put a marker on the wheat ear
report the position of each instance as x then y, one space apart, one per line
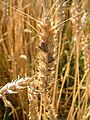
15 86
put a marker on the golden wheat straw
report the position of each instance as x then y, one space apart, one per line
79 87
76 38
21 12
64 79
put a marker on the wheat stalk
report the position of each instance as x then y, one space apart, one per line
76 39
86 54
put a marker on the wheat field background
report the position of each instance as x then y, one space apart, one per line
44 59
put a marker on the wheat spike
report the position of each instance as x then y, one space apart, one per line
14 86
